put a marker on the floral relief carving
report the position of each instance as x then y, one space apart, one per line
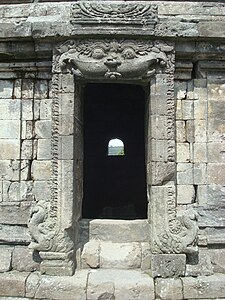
128 13
113 59
175 234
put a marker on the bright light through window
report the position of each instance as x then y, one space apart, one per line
115 147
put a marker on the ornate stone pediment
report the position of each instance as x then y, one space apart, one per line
113 59
119 13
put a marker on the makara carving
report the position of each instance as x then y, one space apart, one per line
40 227
173 234
113 59
128 13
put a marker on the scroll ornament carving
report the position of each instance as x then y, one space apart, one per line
180 235
172 233
41 228
112 59
114 13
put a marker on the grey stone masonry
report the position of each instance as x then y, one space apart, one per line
49 52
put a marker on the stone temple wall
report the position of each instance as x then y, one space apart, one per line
29 35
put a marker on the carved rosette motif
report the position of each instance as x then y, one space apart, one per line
113 59
121 13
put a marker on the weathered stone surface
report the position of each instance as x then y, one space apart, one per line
217 257
53 287
41 170
183 152
216 173
204 287
185 194
168 265
169 289
119 231
5 258
90 255
43 129
203 266
14 213
9 149
119 284
20 235
185 173
120 255
25 260
13 284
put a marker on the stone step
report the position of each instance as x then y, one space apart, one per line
117 231
94 285
108 255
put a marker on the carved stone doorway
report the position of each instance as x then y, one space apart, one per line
114 185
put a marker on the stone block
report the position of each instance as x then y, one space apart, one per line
185 173
41 89
169 289
179 110
159 150
187 109
216 173
27 149
25 260
10 169
119 285
6 89
180 131
28 89
67 83
158 127
190 131
180 89
5 259
90 255
66 104
168 265
27 109
216 91
183 152
216 125
200 152
216 152
203 266
204 287
160 172
45 109
9 129
119 231
9 149
185 194
42 188
120 255
66 126
43 129
17 191
200 173
27 130
44 149
13 284
145 256
200 131
200 109
66 147
217 257
20 235
41 170
53 287
14 214
10 109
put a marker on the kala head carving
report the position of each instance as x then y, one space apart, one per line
112 60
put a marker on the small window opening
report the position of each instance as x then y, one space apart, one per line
116 147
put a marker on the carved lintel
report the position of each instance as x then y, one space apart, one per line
112 59
118 13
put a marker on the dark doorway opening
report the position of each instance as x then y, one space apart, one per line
114 185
